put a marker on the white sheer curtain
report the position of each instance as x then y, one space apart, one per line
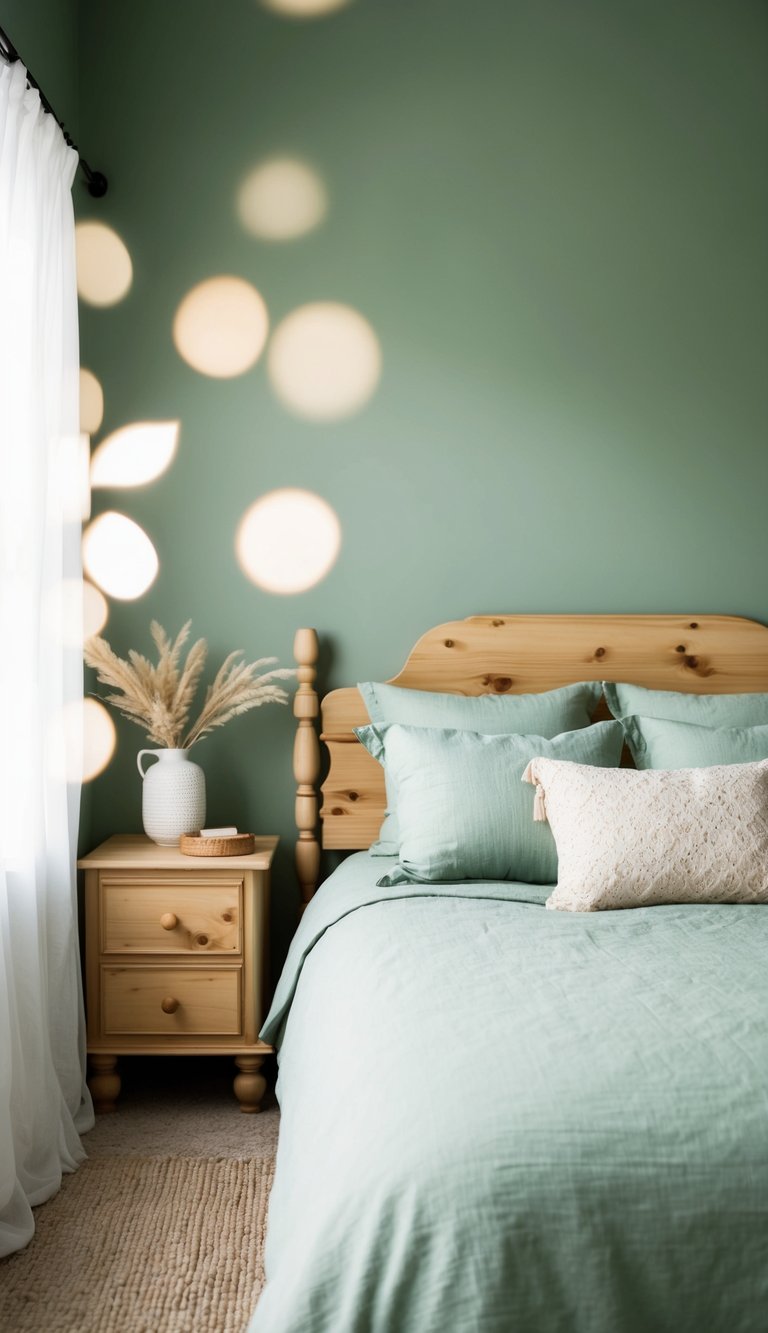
43 1098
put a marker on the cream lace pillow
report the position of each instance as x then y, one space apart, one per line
629 839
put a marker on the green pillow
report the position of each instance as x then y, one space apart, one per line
658 743
547 714
704 710
463 811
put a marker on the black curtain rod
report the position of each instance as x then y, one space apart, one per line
97 181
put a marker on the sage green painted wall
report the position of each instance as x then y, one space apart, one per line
45 33
553 214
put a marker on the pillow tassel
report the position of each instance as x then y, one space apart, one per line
539 801
539 805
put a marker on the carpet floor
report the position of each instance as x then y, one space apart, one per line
162 1229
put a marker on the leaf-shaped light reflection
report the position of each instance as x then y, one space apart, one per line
119 557
135 454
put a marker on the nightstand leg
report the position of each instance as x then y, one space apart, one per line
249 1084
104 1082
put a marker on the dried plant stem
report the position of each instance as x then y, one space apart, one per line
159 697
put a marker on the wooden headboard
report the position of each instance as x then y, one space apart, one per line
503 655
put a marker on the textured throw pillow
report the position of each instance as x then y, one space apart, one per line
463 811
631 839
658 743
702 710
548 714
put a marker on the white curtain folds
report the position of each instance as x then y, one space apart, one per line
43 1098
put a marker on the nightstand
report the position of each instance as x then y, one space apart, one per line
175 958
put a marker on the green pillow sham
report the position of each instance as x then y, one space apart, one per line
658 743
704 710
463 811
548 714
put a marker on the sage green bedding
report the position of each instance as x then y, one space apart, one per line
546 714
502 1119
657 742
463 810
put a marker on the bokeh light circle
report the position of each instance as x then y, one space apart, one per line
135 454
91 402
104 268
221 327
281 199
304 9
89 739
119 557
324 361
99 738
288 540
95 610
72 463
77 613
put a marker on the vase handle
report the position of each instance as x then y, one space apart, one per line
139 757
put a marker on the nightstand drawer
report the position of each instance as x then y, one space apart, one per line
171 1000
171 916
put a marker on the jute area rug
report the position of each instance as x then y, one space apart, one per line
143 1245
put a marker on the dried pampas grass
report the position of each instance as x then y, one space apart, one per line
159 697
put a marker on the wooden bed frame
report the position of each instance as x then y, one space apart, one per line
504 655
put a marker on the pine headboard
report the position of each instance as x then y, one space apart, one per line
502 654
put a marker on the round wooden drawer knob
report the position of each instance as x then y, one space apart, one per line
169 921
169 1005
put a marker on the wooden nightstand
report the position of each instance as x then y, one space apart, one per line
175 958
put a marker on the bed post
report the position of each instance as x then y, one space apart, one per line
306 763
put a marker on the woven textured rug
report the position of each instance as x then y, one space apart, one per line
143 1245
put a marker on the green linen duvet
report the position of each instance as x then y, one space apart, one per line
504 1119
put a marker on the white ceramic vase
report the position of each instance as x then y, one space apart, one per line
173 797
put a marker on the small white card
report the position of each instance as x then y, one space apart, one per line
228 832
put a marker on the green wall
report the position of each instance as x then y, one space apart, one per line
553 214
45 33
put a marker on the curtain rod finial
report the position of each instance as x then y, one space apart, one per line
97 184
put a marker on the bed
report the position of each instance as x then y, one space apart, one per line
496 1117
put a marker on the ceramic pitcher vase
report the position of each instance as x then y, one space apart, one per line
173 797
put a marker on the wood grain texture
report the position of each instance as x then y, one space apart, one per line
306 763
510 654
135 851
165 1000
175 955
353 795
104 1083
138 916
249 1085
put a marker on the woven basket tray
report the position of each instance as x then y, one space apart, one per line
239 844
